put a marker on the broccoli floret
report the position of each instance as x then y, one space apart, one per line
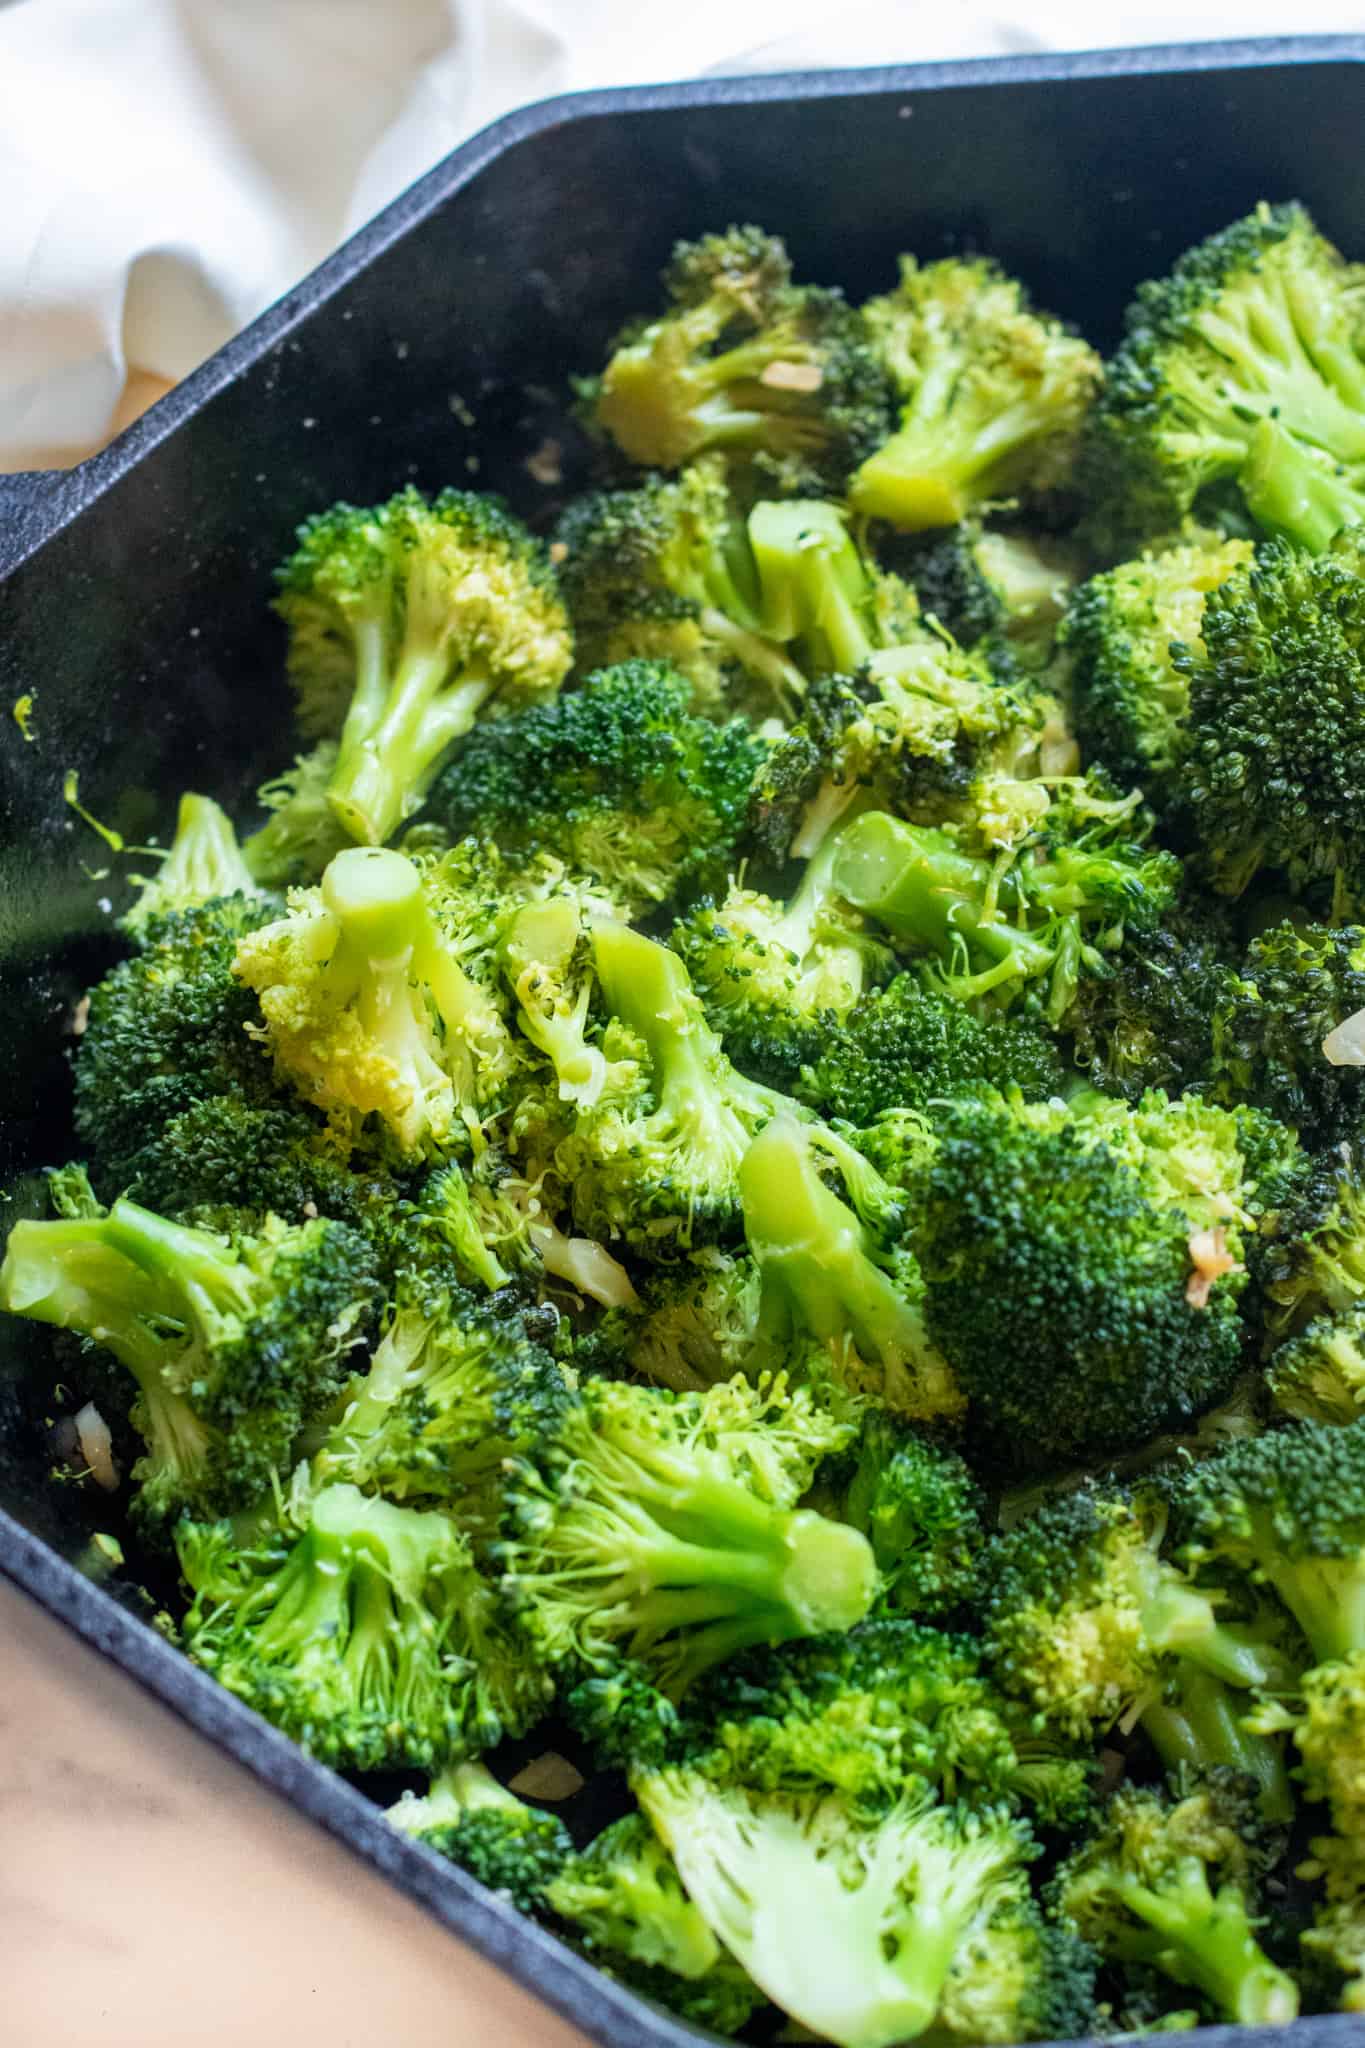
1272 1018
515 1849
861 1929
1132 701
1005 588
202 863
922 1510
775 979
891 1708
1314 1265
1275 764
619 778
1326 1715
407 621
303 833
368 1013
994 395
664 1527
1243 370
622 1897
655 1161
1287 1509
1037 916
369 1637
516 1218
834 1297
454 1388
207 1163
234 1344
165 1030
1147 1021
694 1324
1092 1627
1083 1271
905 1047
1174 1884
1335 1942
666 573
746 363
1319 1376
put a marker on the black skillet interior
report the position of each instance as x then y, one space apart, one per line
436 347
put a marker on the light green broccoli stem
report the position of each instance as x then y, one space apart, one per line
947 456
400 724
1294 493
759 657
816 1259
1206 1728
388 940
203 861
200 1277
918 883
537 954
1205 1939
1326 1595
814 585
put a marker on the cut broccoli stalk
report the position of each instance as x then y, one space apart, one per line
407 619
824 1279
202 862
815 589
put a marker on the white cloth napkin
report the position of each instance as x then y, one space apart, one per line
168 167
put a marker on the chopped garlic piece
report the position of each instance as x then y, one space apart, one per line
97 1447
1345 1047
585 1264
1211 1259
803 377
550 1776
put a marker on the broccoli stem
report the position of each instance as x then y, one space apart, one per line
813 583
1203 1728
758 656
194 1268
1290 493
1205 1939
815 1256
399 726
922 887
1326 1596
941 461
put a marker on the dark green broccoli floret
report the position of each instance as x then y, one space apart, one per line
1034 918
1315 1263
303 832
1274 1016
666 573
1147 1020
1175 1884
166 1030
743 362
1131 699
619 778
840 1292
1319 1376
234 1344
369 1013
664 1527
369 1637
993 393
921 1509
1287 1509
867 1931
1083 1272
891 1708
465 1814
202 863
1091 1627
406 622
1244 370
1007 589
455 1387
1274 771
906 1046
